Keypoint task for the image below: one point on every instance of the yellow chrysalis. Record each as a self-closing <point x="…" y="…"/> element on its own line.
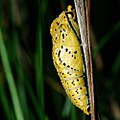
<point x="67" y="58"/>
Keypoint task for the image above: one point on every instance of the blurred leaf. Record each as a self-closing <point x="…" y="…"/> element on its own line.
<point x="10" y="79"/>
<point x="105" y="39"/>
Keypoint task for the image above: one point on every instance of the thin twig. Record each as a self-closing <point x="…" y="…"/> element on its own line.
<point x="81" y="7"/>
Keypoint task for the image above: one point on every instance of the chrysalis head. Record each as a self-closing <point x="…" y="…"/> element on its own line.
<point x="62" y="26"/>
<point x="71" y="13"/>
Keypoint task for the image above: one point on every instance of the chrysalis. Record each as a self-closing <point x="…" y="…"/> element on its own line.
<point x="67" y="58"/>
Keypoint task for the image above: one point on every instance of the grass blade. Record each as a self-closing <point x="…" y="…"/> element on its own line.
<point x="10" y="79"/>
<point x="106" y="38"/>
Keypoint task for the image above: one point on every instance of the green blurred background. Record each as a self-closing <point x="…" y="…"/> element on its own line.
<point x="30" y="88"/>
